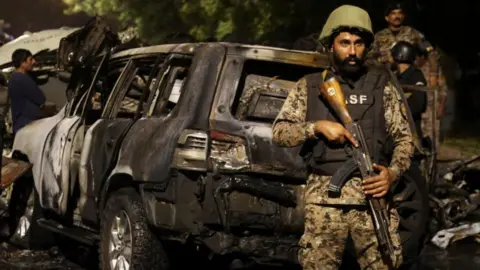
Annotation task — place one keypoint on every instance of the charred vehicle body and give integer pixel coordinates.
(172, 144)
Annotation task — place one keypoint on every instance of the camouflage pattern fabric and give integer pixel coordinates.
(427, 122)
(322, 246)
(291, 129)
(386, 39)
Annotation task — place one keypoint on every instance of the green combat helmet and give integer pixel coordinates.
(347, 16)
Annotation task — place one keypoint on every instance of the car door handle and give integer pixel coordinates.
(110, 143)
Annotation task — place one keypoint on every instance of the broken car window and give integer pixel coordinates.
(261, 92)
(133, 100)
(170, 87)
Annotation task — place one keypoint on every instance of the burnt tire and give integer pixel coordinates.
(412, 204)
(145, 249)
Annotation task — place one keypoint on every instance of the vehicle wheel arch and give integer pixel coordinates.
(114, 183)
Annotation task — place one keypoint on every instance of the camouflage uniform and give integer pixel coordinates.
(323, 246)
(441, 96)
(328, 221)
(385, 40)
(290, 129)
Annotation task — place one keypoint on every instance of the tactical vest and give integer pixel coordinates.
(366, 107)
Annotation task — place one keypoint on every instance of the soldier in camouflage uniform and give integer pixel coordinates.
(305, 119)
(396, 31)
(427, 122)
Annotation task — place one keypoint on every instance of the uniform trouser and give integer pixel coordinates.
(427, 129)
(326, 233)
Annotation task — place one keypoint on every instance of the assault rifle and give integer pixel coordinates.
(333, 95)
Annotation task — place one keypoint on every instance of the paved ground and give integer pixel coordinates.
(461, 255)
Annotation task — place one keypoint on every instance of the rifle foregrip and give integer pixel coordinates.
(379, 204)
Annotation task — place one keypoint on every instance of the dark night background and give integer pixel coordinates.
(449, 25)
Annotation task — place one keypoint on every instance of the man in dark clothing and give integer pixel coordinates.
(404, 55)
(25, 96)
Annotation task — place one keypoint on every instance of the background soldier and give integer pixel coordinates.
(396, 31)
(329, 220)
(404, 56)
(427, 122)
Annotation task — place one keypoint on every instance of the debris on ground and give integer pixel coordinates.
(455, 201)
(13, 258)
(445, 237)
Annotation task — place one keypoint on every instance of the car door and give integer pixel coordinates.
(124, 106)
(55, 161)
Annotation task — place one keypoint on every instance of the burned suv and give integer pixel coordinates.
(172, 144)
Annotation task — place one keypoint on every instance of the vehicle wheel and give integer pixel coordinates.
(126, 239)
(412, 204)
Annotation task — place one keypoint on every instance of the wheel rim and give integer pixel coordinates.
(120, 246)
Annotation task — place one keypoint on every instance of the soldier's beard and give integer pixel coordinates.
(344, 66)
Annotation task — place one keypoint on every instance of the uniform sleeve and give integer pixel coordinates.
(442, 84)
(381, 47)
(433, 57)
(398, 128)
(290, 127)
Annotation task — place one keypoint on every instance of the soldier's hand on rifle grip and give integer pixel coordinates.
(334, 132)
(379, 185)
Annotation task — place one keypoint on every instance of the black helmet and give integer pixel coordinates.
(392, 6)
(404, 52)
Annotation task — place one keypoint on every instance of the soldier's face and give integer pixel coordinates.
(348, 51)
(396, 17)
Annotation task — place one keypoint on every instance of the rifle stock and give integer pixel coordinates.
(333, 94)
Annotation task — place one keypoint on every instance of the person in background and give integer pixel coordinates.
(428, 124)
(404, 56)
(396, 31)
(26, 98)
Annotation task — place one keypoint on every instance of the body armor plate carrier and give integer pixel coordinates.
(366, 107)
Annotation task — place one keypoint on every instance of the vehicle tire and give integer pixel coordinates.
(125, 236)
(412, 203)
